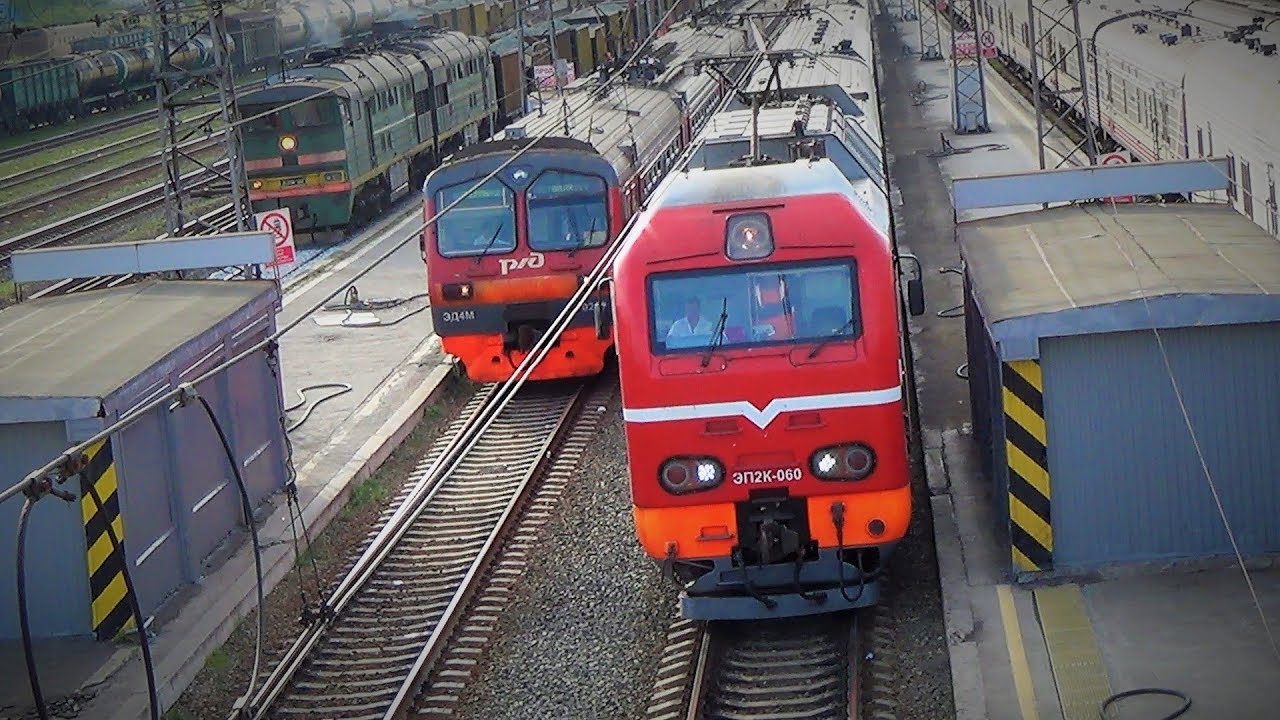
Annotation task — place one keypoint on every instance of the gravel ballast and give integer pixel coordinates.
(587, 626)
(226, 673)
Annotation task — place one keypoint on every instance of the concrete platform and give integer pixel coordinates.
(394, 370)
(1033, 651)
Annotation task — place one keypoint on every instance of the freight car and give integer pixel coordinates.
(56, 89)
(1166, 84)
(359, 130)
(502, 264)
(37, 92)
(761, 335)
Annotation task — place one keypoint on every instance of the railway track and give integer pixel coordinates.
(100, 179)
(825, 667)
(430, 557)
(73, 136)
(804, 668)
(67, 229)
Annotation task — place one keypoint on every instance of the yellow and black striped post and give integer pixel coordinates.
(1026, 449)
(109, 598)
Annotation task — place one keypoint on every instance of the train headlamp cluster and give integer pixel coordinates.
(288, 143)
(684, 475)
(748, 236)
(457, 291)
(851, 462)
(256, 184)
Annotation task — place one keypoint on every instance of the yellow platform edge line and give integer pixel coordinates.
(1076, 661)
(1017, 654)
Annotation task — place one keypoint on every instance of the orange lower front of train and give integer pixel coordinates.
(491, 325)
(797, 518)
(490, 358)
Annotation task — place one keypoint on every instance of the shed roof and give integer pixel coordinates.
(90, 344)
(1067, 271)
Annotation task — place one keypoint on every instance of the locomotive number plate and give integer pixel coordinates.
(764, 477)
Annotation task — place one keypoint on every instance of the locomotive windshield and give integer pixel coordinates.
(755, 305)
(567, 211)
(483, 223)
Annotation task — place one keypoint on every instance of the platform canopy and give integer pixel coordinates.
(1098, 268)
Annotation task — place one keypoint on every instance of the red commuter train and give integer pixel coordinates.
(502, 264)
(760, 335)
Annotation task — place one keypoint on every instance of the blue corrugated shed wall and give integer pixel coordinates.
(1127, 482)
(985, 405)
(57, 589)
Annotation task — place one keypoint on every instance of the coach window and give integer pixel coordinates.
(568, 211)
(753, 305)
(484, 222)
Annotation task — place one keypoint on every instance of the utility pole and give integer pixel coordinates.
(1045, 29)
(930, 38)
(177, 23)
(551, 40)
(524, 68)
(969, 85)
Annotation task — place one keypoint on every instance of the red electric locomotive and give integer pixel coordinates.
(758, 343)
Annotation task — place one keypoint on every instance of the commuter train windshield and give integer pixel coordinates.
(756, 305)
(567, 211)
(483, 223)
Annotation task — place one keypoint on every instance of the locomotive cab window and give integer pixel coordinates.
(483, 223)
(258, 122)
(314, 113)
(567, 211)
(753, 305)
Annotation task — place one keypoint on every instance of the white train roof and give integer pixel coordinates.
(632, 113)
(837, 39)
(1224, 82)
(768, 182)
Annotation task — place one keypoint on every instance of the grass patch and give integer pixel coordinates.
(218, 660)
(8, 290)
(371, 491)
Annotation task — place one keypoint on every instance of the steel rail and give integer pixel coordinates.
(460, 584)
(114, 209)
(67, 138)
(98, 179)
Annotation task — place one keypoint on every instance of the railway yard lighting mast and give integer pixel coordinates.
(968, 82)
(177, 24)
(930, 38)
(1071, 100)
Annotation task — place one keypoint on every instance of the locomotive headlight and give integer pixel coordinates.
(288, 143)
(826, 463)
(684, 475)
(457, 291)
(749, 236)
(256, 185)
(850, 462)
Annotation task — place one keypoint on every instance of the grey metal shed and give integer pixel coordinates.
(71, 365)
(1073, 392)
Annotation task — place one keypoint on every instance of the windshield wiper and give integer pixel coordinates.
(717, 335)
(492, 240)
(581, 244)
(823, 343)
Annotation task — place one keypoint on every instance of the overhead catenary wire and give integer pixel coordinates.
(495, 400)
(52, 466)
(41, 480)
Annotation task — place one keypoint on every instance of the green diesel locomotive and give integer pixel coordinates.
(337, 141)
